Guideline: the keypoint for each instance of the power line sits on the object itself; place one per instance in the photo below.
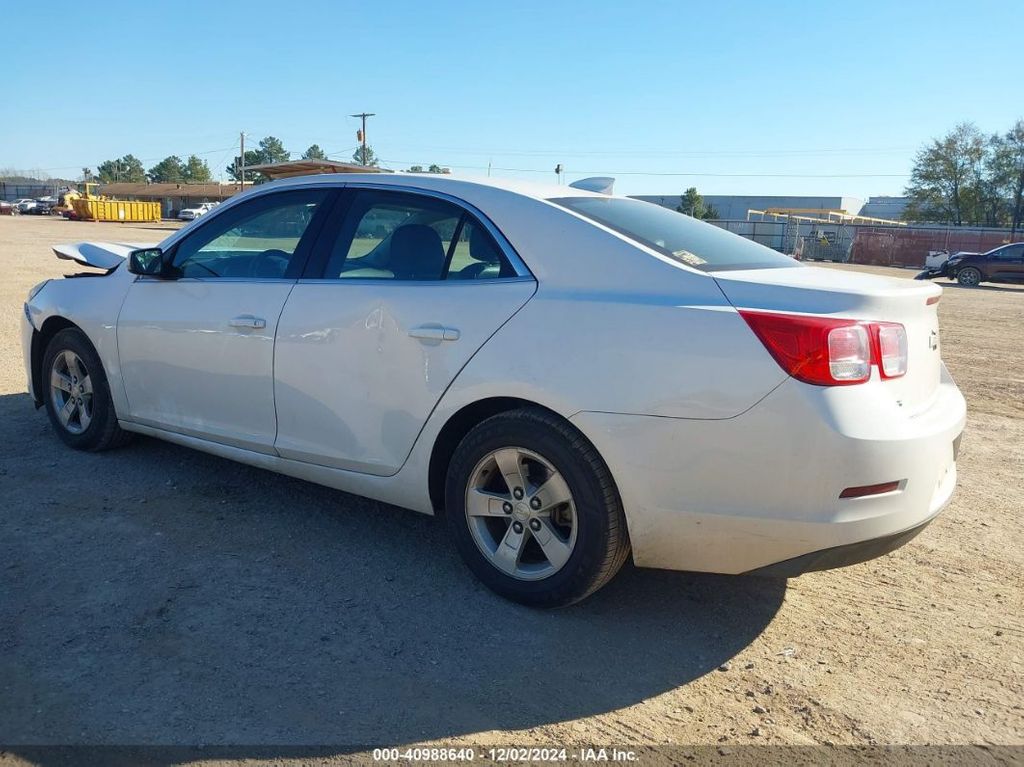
(141, 159)
(667, 152)
(669, 173)
(347, 152)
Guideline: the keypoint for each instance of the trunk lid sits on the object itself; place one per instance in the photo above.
(853, 295)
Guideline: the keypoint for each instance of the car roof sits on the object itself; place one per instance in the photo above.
(440, 182)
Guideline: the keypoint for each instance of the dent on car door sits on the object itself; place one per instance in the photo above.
(402, 296)
(196, 351)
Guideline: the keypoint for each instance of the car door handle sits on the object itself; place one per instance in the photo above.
(434, 333)
(248, 321)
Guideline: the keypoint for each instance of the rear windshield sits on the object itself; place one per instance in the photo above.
(687, 240)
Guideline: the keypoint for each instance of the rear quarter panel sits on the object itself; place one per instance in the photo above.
(611, 328)
(616, 328)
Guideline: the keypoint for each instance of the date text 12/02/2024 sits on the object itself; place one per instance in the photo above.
(503, 754)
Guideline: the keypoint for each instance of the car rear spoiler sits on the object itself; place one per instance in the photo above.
(600, 184)
(102, 255)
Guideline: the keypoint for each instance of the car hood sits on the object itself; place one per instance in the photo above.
(102, 255)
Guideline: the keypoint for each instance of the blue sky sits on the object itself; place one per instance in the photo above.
(732, 97)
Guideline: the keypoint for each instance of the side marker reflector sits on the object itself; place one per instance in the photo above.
(863, 490)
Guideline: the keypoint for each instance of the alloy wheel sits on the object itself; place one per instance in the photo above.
(521, 513)
(71, 391)
(969, 277)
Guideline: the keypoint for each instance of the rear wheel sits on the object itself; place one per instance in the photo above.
(533, 509)
(969, 277)
(77, 395)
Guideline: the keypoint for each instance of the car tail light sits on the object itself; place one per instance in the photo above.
(892, 349)
(849, 353)
(830, 352)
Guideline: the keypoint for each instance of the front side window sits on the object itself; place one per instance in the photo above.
(409, 237)
(681, 238)
(258, 239)
(1008, 253)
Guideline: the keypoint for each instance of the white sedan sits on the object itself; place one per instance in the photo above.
(570, 377)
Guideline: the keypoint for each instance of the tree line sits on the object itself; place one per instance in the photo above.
(170, 170)
(968, 178)
(174, 170)
(271, 149)
(194, 170)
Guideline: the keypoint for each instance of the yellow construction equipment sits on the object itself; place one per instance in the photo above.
(90, 207)
(65, 207)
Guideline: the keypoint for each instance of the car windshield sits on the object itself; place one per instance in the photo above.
(684, 239)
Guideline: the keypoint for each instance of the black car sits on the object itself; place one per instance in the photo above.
(1003, 264)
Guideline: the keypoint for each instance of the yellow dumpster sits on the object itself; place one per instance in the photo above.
(94, 209)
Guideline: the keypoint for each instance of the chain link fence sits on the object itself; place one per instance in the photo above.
(10, 190)
(903, 246)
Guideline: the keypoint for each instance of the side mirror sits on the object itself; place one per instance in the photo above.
(148, 262)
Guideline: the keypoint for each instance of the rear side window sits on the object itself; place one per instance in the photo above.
(684, 239)
(475, 256)
(409, 237)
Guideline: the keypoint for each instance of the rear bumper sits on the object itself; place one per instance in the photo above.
(840, 556)
(741, 494)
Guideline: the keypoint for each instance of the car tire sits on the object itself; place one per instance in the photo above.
(969, 277)
(77, 395)
(555, 539)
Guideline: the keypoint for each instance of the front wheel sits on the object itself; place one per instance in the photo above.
(533, 509)
(969, 277)
(77, 395)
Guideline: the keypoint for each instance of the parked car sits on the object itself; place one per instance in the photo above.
(24, 205)
(1002, 264)
(6, 208)
(570, 377)
(39, 208)
(936, 259)
(189, 214)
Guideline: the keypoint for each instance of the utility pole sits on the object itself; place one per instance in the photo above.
(362, 133)
(241, 177)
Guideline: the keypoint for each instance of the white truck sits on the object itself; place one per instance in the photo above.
(190, 214)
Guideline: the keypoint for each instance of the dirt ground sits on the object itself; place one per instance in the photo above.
(158, 595)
